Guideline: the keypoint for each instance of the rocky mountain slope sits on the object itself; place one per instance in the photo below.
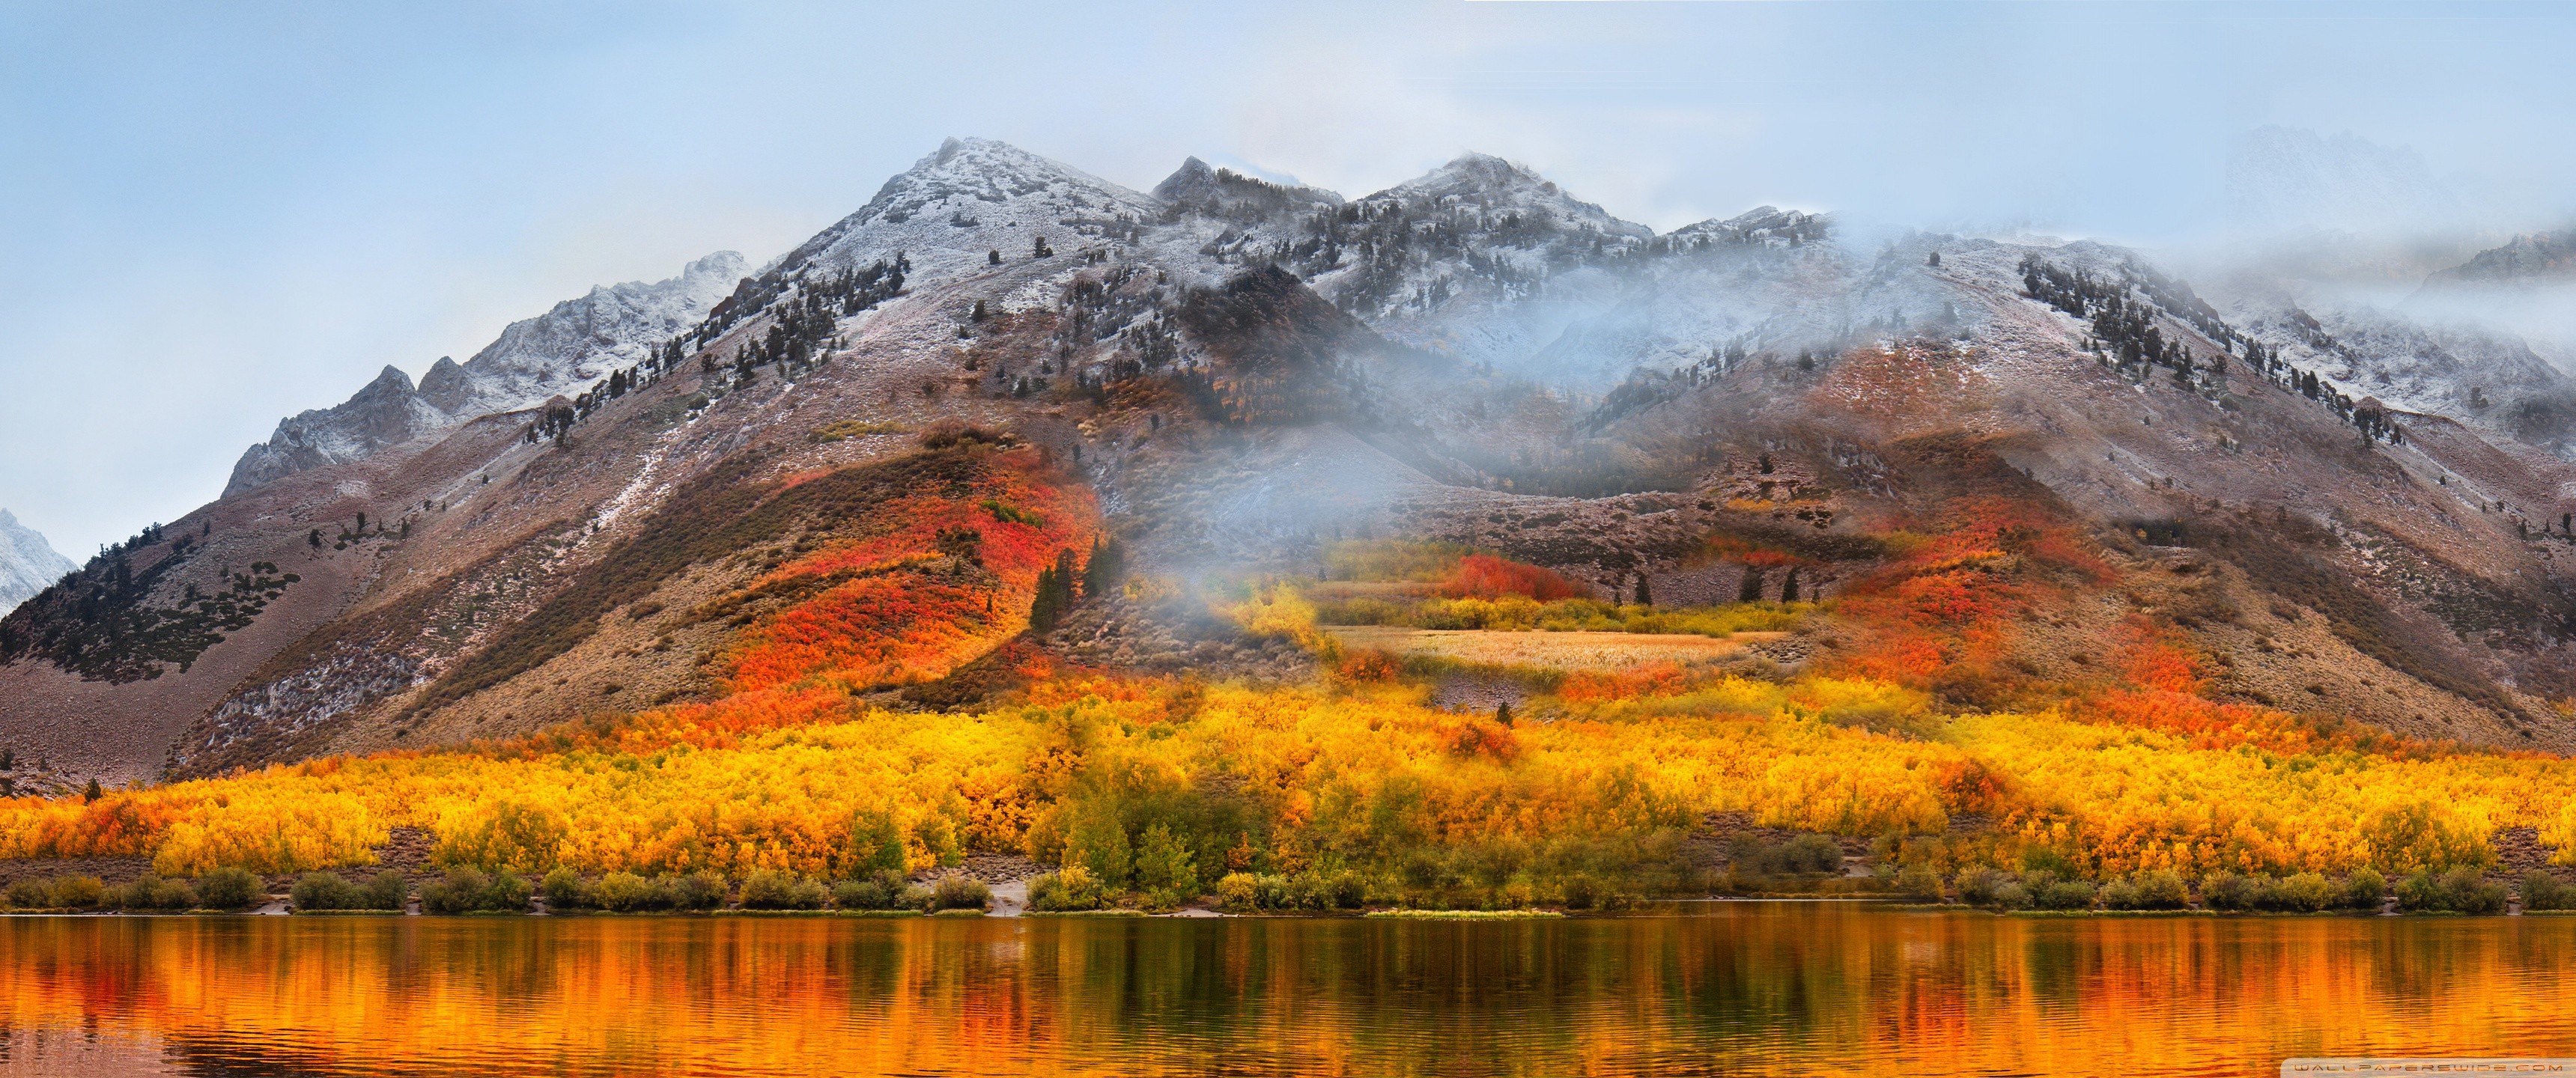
(556, 353)
(2538, 258)
(1239, 372)
(28, 564)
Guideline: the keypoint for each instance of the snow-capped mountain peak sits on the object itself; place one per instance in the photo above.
(558, 352)
(28, 564)
(1225, 193)
(1498, 186)
(1761, 225)
(968, 199)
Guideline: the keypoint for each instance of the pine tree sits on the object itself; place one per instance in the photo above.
(8, 759)
(1106, 565)
(1645, 596)
(92, 792)
(1751, 592)
(995, 258)
(1789, 586)
(978, 316)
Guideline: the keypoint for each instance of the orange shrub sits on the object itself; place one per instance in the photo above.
(1484, 576)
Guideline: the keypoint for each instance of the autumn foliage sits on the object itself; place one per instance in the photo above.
(1914, 732)
(1484, 576)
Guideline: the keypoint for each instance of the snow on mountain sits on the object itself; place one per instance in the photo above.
(953, 210)
(1769, 226)
(576, 343)
(2536, 258)
(559, 352)
(1228, 195)
(28, 564)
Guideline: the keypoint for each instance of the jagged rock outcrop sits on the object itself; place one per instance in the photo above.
(28, 564)
(2532, 259)
(560, 351)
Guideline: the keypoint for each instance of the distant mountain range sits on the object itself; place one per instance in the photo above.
(28, 564)
(555, 353)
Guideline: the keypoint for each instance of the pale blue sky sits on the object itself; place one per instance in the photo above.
(213, 215)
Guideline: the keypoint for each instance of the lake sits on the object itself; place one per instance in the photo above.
(1784, 988)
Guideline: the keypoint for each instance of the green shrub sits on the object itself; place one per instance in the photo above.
(770, 889)
(2542, 891)
(2065, 895)
(2363, 890)
(960, 893)
(31, 894)
(2306, 892)
(861, 895)
(152, 893)
(1920, 882)
(699, 890)
(625, 892)
(2459, 891)
(2231, 892)
(1812, 853)
(2156, 889)
(1068, 889)
(1803, 855)
(325, 891)
(79, 892)
(1235, 893)
(387, 891)
(563, 890)
(1977, 886)
(1347, 890)
(2419, 891)
(2468, 890)
(467, 890)
(1163, 867)
(2161, 889)
(2010, 895)
(229, 889)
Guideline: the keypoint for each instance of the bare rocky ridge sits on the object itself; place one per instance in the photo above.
(559, 352)
(1245, 371)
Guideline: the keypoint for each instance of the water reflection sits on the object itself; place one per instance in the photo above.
(1738, 988)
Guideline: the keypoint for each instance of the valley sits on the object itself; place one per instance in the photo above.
(1455, 546)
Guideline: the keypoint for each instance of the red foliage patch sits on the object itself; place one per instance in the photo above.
(1484, 576)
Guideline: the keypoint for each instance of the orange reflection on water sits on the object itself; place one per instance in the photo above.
(1789, 988)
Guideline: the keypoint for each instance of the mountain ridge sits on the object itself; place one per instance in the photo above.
(1238, 374)
(28, 564)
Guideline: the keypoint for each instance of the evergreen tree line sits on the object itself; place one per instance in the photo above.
(1060, 586)
(99, 621)
(805, 322)
(2125, 334)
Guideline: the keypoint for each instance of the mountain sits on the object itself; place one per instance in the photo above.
(853, 475)
(2533, 259)
(556, 353)
(2283, 179)
(27, 563)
